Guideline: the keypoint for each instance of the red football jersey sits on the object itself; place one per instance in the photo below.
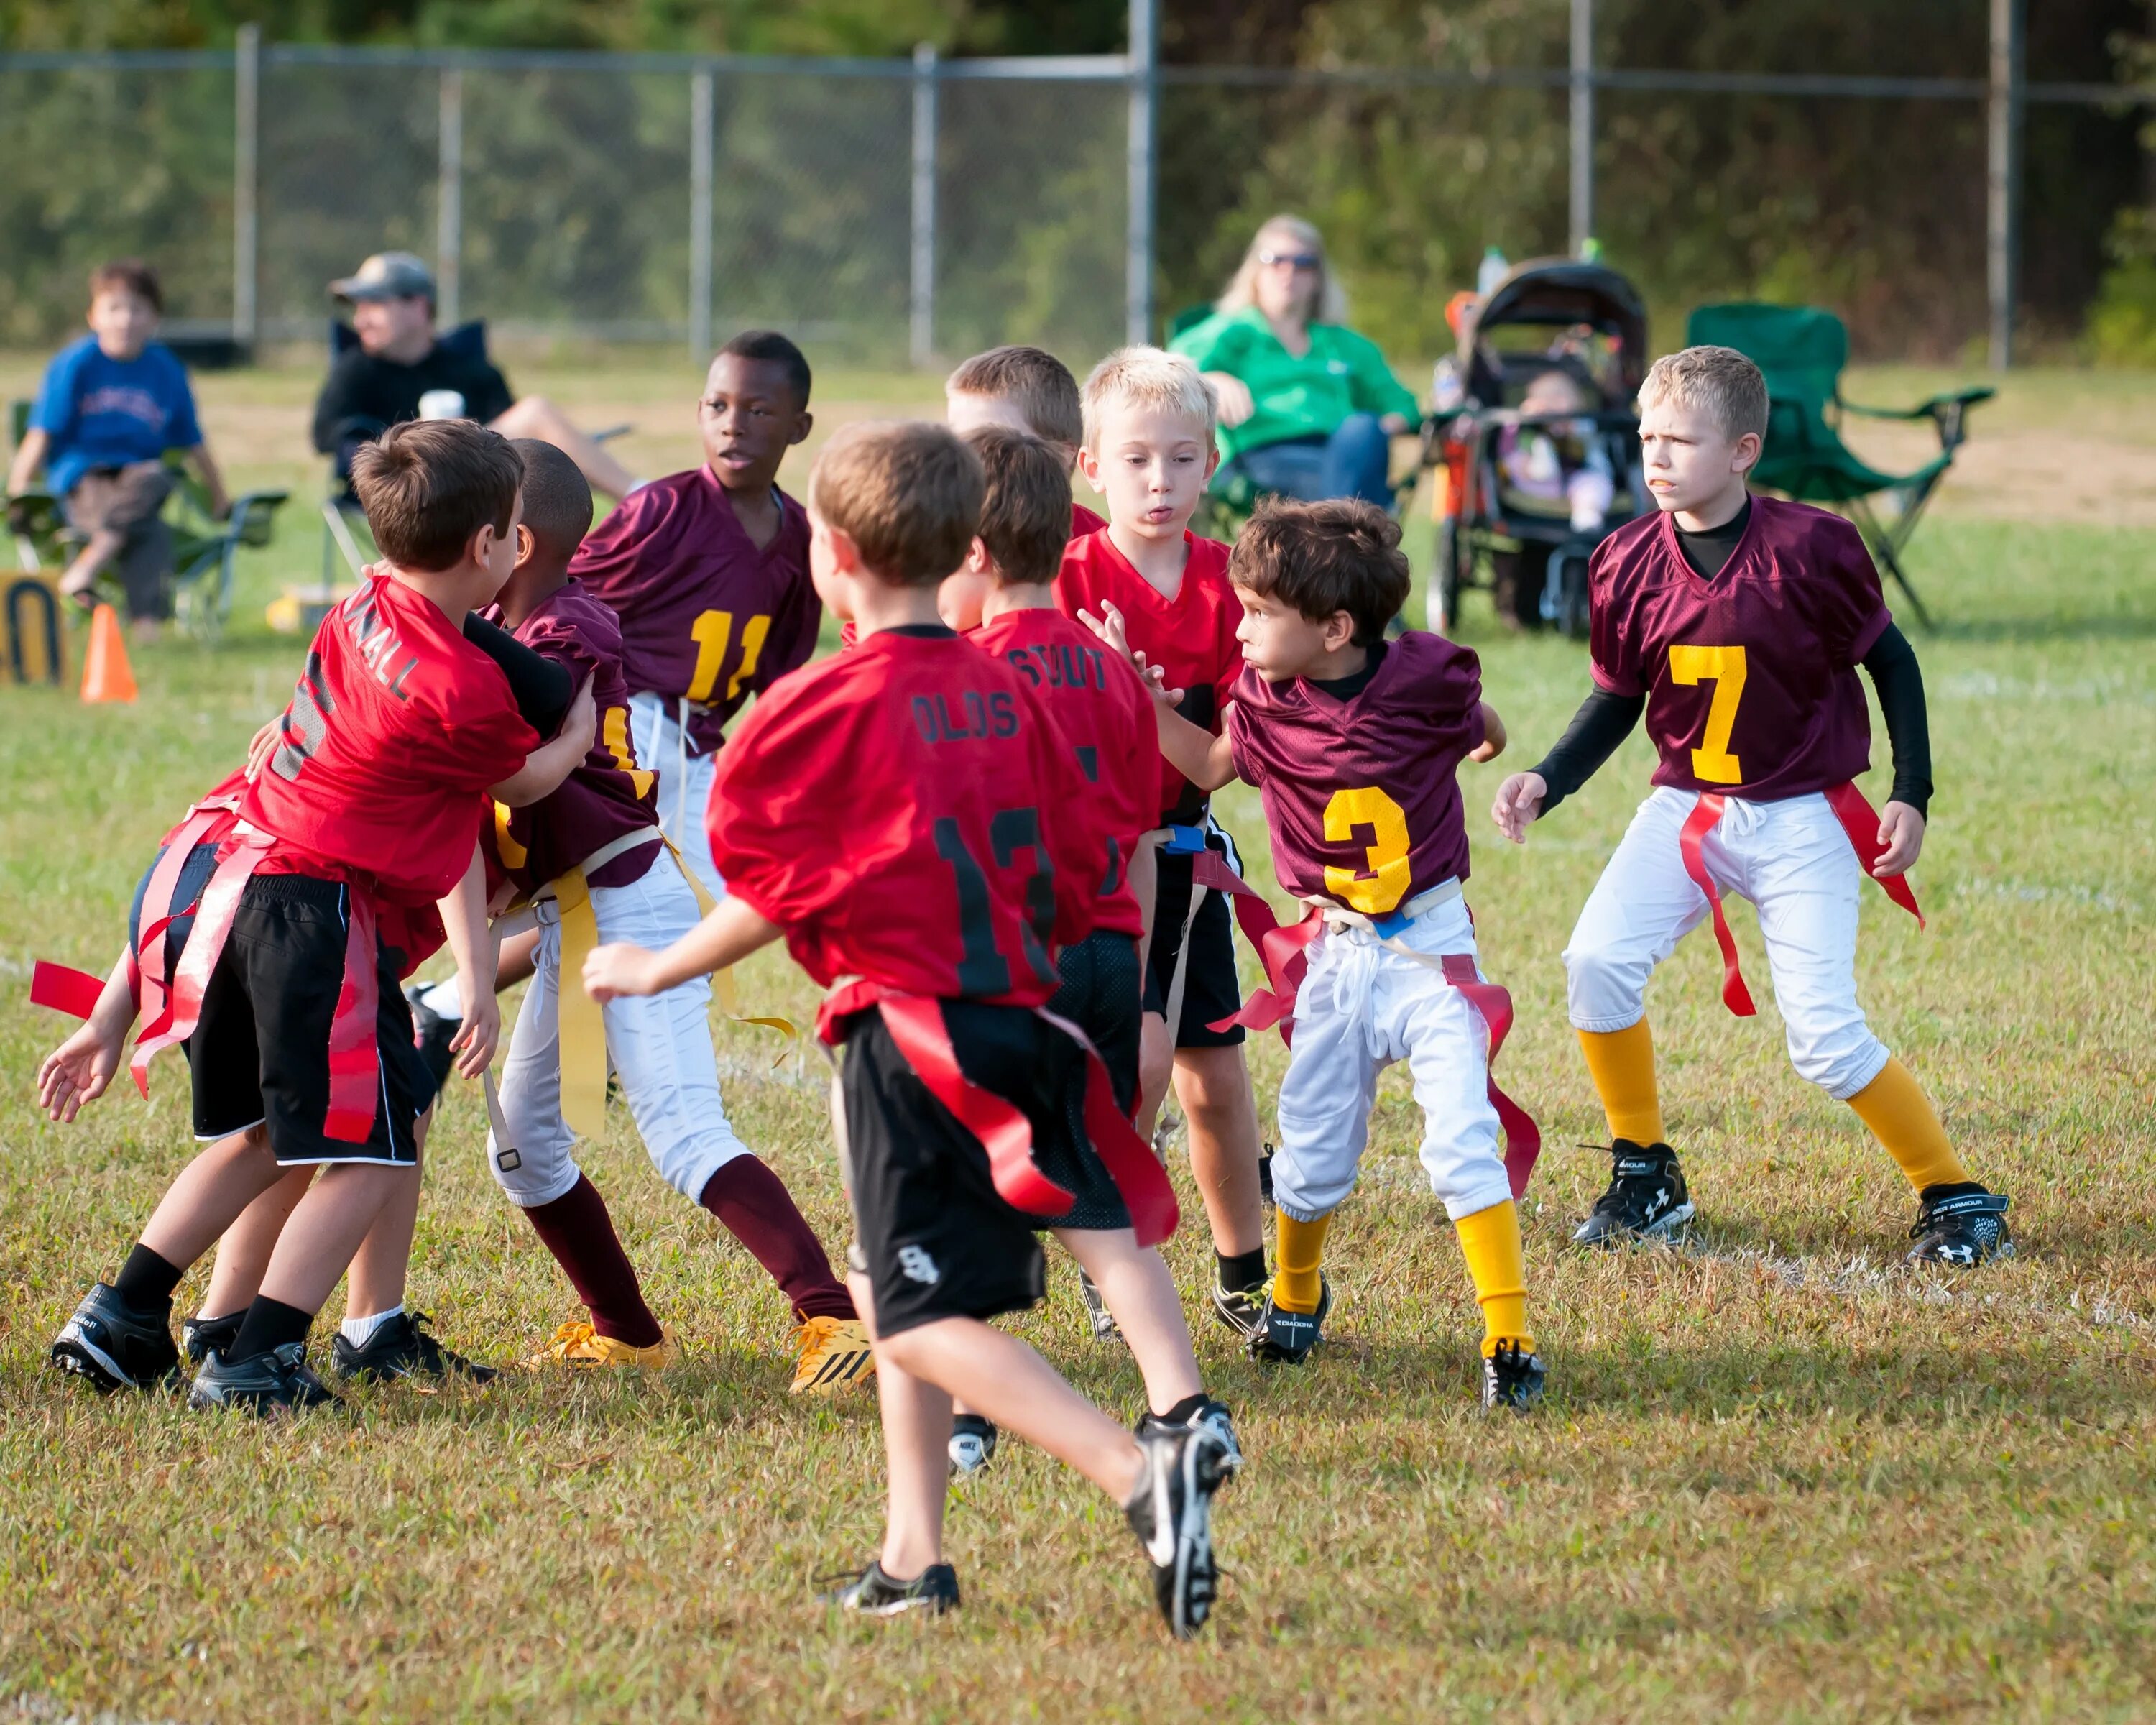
(1083, 520)
(1750, 678)
(1191, 637)
(398, 727)
(1104, 713)
(908, 813)
(704, 613)
(1362, 795)
(608, 796)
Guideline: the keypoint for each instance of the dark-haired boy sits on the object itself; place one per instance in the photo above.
(592, 862)
(1354, 743)
(906, 817)
(299, 1044)
(708, 570)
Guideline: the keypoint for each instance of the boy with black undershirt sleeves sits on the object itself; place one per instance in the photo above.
(1736, 624)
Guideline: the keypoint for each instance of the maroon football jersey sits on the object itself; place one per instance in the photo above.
(704, 613)
(1750, 678)
(608, 796)
(1191, 637)
(1362, 795)
(1104, 713)
(908, 813)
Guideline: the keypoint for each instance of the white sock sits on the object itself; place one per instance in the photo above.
(442, 1000)
(361, 1330)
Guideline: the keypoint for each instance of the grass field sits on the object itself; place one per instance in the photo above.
(1779, 1475)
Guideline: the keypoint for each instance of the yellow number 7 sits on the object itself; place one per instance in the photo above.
(1380, 890)
(1724, 668)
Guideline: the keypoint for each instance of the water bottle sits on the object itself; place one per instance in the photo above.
(1492, 270)
(1445, 393)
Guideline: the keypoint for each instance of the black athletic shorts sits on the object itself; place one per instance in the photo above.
(932, 1233)
(261, 1050)
(1102, 993)
(1211, 990)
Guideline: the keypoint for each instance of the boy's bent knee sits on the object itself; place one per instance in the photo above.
(1840, 1064)
(1604, 990)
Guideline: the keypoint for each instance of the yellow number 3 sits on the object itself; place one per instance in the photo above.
(1381, 888)
(1724, 668)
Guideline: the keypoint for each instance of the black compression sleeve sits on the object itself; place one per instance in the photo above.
(1603, 722)
(543, 688)
(1900, 681)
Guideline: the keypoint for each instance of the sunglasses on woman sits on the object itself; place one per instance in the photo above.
(1294, 260)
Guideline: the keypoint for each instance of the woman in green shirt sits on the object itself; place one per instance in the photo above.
(1308, 407)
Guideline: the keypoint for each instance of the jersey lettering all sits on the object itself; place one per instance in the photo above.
(1191, 637)
(607, 797)
(1361, 796)
(908, 814)
(1750, 678)
(1104, 713)
(398, 727)
(704, 614)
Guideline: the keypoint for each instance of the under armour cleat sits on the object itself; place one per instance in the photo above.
(402, 1348)
(202, 1336)
(278, 1382)
(1960, 1226)
(829, 1354)
(875, 1593)
(1208, 1415)
(580, 1348)
(1171, 1514)
(1103, 1321)
(1240, 1308)
(1512, 1377)
(1287, 1336)
(431, 1034)
(115, 1346)
(973, 1444)
(1647, 1199)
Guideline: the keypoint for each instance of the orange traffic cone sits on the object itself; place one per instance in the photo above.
(105, 673)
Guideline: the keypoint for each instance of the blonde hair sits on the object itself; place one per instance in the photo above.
(1718, 381)
(1328, 304)
(908, 494)
(1148, 377)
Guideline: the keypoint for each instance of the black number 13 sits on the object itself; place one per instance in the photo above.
(982, 969)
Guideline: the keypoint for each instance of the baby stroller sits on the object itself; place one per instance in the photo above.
(1525, 495)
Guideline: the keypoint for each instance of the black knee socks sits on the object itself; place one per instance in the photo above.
(146, 1282)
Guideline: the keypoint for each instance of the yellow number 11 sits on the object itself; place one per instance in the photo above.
(710, 632)
(1724, 668)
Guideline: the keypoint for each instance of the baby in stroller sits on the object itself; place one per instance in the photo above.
(1553, 466)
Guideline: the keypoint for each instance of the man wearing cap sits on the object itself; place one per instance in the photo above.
(399, 365)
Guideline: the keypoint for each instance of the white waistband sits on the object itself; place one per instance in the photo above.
(1339, 915)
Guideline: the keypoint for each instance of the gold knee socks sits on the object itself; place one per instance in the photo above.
(1622, 1064)
(1300, 1252)
(1490, 1239)
(1901, 1116)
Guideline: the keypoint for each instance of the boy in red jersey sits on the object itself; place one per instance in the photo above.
(1148, 449)
(1736, 624)
(300, 1043)
(906, 817)
(708, 570)
(1354, 743)
(593, 864)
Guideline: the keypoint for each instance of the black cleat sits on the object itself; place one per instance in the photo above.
(1103, 1321)
(202, 1336)
(1287, 1336)
(973, 1444)
(875, 1594)
(1512, 1377)
(115, 1346)
(1647, 1199)
(1961, 1227)
(430, 1035)
(1239, 1308)
(402, 1348)
(278, 1382)
(1171, 1513)
(1208, 1416)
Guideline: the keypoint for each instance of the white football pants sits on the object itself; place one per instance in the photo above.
(683, 789)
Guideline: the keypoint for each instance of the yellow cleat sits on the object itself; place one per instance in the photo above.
(581, 1348)
(829, 1353)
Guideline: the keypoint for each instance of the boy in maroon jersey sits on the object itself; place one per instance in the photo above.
(591, 860)
(1354, 743)
(906, 818)
(301, 1045)
(708, 570)
(1149, 450)
(1736, 624)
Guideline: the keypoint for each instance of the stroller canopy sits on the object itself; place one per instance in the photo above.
(1557, 293)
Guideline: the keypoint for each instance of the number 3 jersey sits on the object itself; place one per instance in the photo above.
(908, 814)
(1751, 677)
(704, 613)
(1362, 795)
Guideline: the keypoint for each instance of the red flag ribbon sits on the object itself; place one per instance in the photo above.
(220, 901)
(65, 989)
(355, 1062)
(208, 822)
(1860, 821)
(1283, 948)
(1523, 1138)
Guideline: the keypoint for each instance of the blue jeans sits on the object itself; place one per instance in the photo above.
(1352, 462)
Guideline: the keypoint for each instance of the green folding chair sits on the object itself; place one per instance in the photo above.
(1802, 350)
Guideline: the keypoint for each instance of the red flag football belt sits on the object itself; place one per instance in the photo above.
(1859, 820)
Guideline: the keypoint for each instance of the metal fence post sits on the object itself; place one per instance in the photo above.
(2003, 176)
(1144, 152)
(246, 157)
(1582, 125)
(700, 216)
(921, 301)
(449, 200)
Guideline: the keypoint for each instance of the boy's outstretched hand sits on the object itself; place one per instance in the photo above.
(619, 968)
(1519, 801)
(1110, 628)
(1902, 832)
(78, 1071)
(479, 1034)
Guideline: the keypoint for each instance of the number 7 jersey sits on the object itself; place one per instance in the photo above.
(1751, 677)
(908, 813)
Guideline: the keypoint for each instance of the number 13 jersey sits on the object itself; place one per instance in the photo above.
(1751, 677)
(907, 812)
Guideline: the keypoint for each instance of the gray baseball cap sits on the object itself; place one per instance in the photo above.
(386, 275)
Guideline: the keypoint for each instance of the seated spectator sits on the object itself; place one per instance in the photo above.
(400, 361)
(112, 404)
